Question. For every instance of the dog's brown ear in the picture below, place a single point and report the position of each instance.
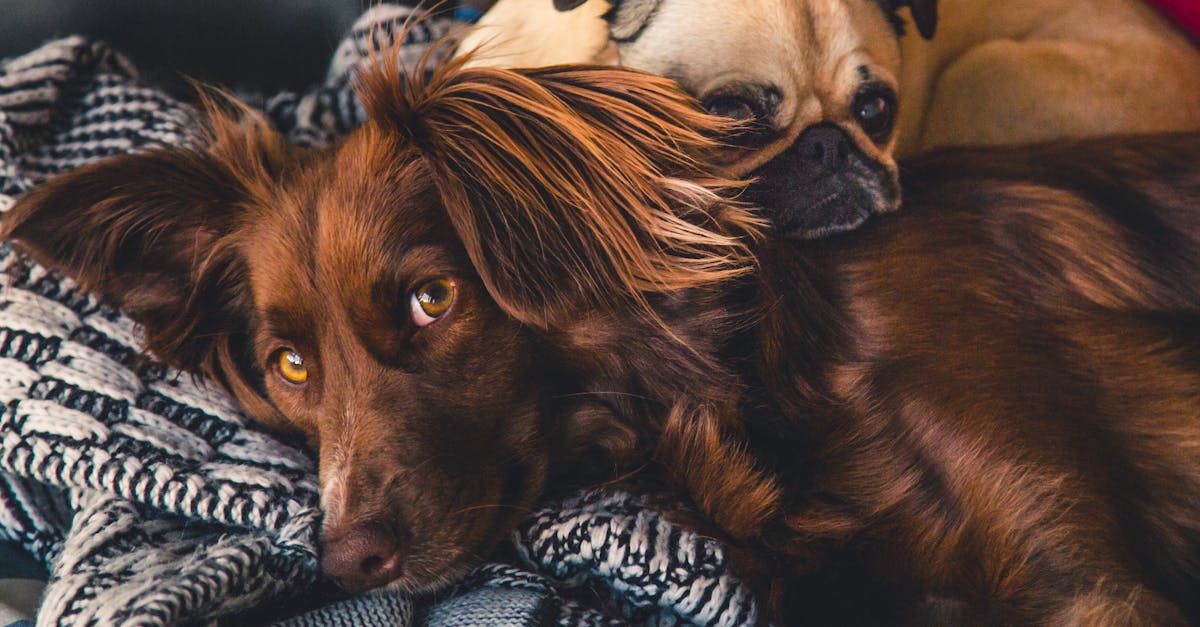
(146, 231)
(570, 187)
(628, 18)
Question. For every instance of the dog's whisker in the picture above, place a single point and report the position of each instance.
(601, 393)
(516, 508)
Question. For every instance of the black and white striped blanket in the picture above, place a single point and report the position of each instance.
(153, 501)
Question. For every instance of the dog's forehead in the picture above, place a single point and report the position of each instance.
(814, 55)
(699, 43)
(376, 189)
(798, 46)
(354, 216)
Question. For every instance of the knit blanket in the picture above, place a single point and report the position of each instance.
(153, 501)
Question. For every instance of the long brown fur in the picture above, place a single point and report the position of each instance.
(577, 158)
(986, 410)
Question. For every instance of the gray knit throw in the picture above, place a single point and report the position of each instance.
(153, 501)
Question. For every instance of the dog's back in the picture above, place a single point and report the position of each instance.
(1006, 397)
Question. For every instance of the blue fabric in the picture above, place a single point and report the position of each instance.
(499, 607)
(15, 563)
(22, 580)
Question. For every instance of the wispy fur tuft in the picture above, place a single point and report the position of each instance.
(571, 187)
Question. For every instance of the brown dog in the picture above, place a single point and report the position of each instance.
(834, 96)
(445, 303)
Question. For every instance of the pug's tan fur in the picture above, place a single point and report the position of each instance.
(995, 72)
(1019, 71)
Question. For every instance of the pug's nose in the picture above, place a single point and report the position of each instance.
(367, 555)
(823, 149)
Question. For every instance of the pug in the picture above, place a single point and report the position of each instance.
(833, 91)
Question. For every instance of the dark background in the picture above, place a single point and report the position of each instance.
(263, 45)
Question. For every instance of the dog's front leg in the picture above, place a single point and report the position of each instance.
(710, 460)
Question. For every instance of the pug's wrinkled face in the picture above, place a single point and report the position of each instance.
(814, 80)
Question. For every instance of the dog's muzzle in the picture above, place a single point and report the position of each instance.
(822, 185)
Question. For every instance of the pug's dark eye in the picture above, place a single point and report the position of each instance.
(753, 106)
(874, 108)
(732, 107)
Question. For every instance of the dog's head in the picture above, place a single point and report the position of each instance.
(813, 81)
(394, 297)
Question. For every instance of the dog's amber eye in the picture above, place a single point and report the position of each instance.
(432, 300)
(290, 365)
(874, 109)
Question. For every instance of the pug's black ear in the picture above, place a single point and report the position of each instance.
(924, 15)
(628, 18)
(567, 5)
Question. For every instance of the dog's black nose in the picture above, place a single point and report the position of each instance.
(366, 556)
(822, 150)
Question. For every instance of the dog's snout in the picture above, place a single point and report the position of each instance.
(823, 149)
(366, 556)
(823, 184)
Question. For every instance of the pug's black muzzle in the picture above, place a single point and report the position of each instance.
(823, 185)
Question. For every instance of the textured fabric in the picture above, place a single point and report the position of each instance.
(153, 501)
(662, 574)
(501, 607)
(498, 607)
(498, 595)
